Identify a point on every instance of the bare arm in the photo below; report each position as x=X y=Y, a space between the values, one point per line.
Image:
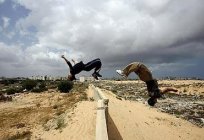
x=165 y=90
x=74 y=61
x=68 y=63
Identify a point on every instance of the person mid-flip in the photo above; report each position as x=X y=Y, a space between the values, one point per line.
x=78 y=67
x=145 y=75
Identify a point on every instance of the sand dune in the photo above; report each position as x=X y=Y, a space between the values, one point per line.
x=136 y=121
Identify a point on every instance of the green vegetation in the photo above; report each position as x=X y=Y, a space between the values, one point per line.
x=10 y=91
x=29 y=84
x=65 y=86
x=22 y=135
x=6 y=82
x=60 y=123
x=40 y=87
x=13 y=90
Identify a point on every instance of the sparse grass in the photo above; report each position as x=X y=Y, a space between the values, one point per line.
x=114 y=91
x=10 y=91
x=83 y=97
x=38 y=105
x=60 y=123
x=20 y=135
x=19 y=125
x=59 y=112
x=91 y=99
x=55 y=106
x=39 y=114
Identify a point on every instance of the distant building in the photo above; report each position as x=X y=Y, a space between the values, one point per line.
x=83 y=79
x=50 y=78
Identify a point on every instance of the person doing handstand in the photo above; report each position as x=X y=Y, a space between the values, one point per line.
x=145 y=75
x=78 y=67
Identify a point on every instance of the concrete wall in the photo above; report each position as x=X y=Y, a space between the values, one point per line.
x=102 y=113
x=101 y=126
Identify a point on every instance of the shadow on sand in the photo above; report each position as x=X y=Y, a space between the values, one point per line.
x=113 y=133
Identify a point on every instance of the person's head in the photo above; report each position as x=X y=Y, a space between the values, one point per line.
x=71 y=77
x=152 y=101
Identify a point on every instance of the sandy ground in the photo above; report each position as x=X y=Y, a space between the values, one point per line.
x=80 y=124
x=25 y=117
x=127 y=120
x=136 y=121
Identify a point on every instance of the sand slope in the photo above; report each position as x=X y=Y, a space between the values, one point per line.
x=136 y=121
x=127 y=120
x=80 y=124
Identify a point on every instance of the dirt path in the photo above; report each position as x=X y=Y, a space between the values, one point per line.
x=136 y=121
x=79 y=123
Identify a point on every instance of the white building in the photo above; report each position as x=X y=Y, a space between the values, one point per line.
x=83 y=79
x=47 y=78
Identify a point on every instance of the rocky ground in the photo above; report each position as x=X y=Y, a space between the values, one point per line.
x=183 y=105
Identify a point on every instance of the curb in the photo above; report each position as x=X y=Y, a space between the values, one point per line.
x=102 y=113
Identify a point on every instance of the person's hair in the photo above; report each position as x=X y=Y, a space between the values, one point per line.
x=71 y=77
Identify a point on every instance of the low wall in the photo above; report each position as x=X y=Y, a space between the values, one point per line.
x=101 y=126
x=102 y=113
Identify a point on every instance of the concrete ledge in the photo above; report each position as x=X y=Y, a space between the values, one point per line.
x=101 y=127
x=102 y=96
x=102 y=113
x=96 y=96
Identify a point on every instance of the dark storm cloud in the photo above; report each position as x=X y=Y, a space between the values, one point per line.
x=158 y=55
x=170 y=33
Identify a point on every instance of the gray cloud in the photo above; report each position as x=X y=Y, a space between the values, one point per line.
x=158 y=32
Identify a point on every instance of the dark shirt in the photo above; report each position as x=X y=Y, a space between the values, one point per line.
x=152 y=85
x=153 y=88
x=77 y=68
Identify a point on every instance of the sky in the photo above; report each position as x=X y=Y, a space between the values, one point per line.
x=165 y=35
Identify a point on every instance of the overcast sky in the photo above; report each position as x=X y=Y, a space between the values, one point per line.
x=166 y=35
